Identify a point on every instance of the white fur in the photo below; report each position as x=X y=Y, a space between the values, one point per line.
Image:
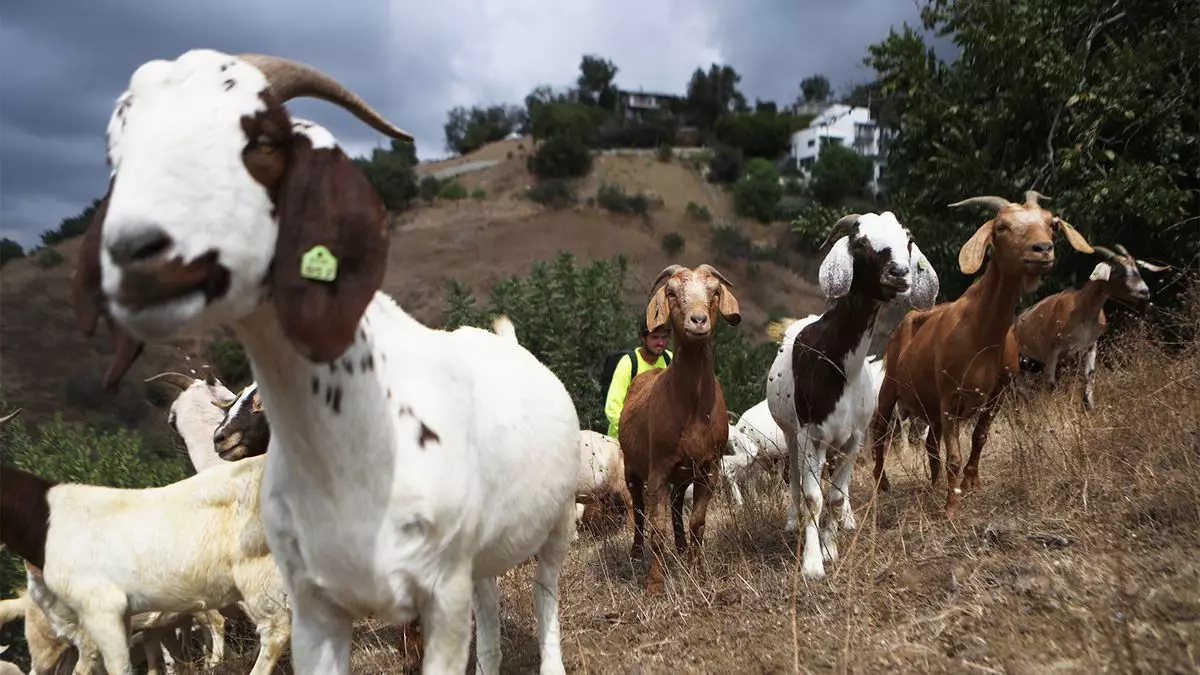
x=1101 y=272
x=419 y=490
x=319 y=136
x=844 y=429
x=196 y=418
x=601 y=472
x=104 y=562
x=756 y=441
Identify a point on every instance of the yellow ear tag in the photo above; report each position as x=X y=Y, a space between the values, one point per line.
x=318 y=264
x=921 y=264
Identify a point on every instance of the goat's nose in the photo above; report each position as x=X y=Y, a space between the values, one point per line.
x=139 y=246
x=897 y=270
x=698 y=320
x=220 y=436
x=1042 y=246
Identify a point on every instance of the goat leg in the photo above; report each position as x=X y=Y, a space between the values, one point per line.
x=933 y=452
x=1089 y=375
x=702 y=491
x=677 y=498
x=657 y=496
x=637 y=493
x=881 y=422
x=979 y=438
x=950 y=438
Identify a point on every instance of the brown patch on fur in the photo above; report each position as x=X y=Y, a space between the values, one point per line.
x=24 y=513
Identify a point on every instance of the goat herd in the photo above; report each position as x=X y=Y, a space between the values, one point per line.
x=397 y=484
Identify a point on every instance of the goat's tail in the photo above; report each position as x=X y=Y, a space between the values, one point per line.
x=777 y=328
x=504 y=327
x=13 y=608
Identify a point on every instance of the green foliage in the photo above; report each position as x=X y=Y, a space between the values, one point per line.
x=468 y=130
x=478 y=194
x=712 y=94
x=1092 y=103
x=840 y=173
x=10 y=250
x=564 y=156
x=815 y=88
x=569 y=316
x=730 y=243
x=430 y=187
x=725 y=165
x=553 y=192
x=762 y=133
x=73 y=226
x=614 y=198
x=757 y=192
x=812 y=224
x=73 y=451
x=48 y=257
x=229 y=359
x=595 y=82
x=564 y=120
x=699 y=212
x=665 y=152
x=452 y=190
x=391 y=173
x=673 y=243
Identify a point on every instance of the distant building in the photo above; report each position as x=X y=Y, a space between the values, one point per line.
x=633 y=105
x=840 y=124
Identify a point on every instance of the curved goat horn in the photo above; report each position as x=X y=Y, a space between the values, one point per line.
x=1032 y=197
x=9 y=416
x=669 y=271
x=713 y=271
x=178 y=379
x=1120 y=249
x=844 y=225
x=291 y=79
x=992 y=202
x=1104 y=252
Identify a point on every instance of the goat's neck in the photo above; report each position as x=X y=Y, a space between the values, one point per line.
x=691 y=379
x=331 y=419
x=992 y=303
x=1090 y=299
x=849 y=324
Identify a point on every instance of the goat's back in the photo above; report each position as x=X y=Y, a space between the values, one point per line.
x=1046 y=327
x=600 y=463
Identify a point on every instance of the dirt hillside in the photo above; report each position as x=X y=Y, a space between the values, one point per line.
x=48 y=366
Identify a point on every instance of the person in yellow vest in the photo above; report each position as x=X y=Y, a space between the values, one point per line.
x=653 y=353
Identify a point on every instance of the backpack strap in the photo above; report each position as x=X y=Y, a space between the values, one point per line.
x=667 y=356
x=633 y=363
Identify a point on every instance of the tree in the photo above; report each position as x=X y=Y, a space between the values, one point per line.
x=391 y=173
x=762 y=133
x=73 y=226
x=468 y=130
x=840 y=173
x=713 y=94
x=595 y=82
x=757 y=192
x=815 y=88
x=10 y=250
x=1093 y=103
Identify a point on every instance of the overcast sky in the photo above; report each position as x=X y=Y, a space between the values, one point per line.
x=64 y=62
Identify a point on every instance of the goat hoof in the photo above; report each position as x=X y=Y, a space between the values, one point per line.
x=813 y=569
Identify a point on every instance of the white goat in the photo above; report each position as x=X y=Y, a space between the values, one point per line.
x=106 y=563
x=760 y=442
x=397 y=478
x=195 y=414
x=818 y=391
x=601 y=475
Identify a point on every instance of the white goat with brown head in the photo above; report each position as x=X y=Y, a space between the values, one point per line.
x=1072 y=321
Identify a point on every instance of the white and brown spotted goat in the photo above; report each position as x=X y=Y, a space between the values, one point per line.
x=818 y=390
x=391 y=442
x=1072 y=321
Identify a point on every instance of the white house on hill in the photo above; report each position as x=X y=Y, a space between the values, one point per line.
x=840 y=124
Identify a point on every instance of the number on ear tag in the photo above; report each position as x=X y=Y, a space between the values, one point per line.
x=318 y=264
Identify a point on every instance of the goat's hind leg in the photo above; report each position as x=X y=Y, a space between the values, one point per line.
x=678 y=496
x=702 y=491
x=321 y=633
x=551 y=559
x=637 y=495
x=813 y=453
x=1089 y=375
x=487 y=624
x=979 y=438
x=881 y=429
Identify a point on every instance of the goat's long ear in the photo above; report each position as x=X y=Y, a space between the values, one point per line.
x=925 y=280
x=320 y=294
x=1100 y=272
x=657 y=311
x=89 y=299
x=728 y=306
x=1073 y=237
x=970 y=256
x=837 y=270
x=1152 y=267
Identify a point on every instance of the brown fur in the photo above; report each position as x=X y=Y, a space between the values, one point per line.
x=674 y=425
x=1074 y=318
x=955 y=361
x=24 y=513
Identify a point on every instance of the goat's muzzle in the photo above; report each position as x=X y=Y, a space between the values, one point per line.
x=1039 y=266
x=156 y=282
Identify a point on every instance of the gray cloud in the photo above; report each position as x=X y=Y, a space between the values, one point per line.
x=62 y=68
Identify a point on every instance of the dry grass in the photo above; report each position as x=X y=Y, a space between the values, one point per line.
x=1078 y=555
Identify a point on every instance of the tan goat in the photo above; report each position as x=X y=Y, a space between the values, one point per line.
x=1073 y=320
x=675 y=426
x=954 y=362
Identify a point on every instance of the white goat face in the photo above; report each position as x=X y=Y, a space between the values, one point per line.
x=219 y=201
x=881 y=252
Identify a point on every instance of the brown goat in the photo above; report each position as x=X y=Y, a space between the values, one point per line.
x=674 y=425
x=1073 y=320
x=955 y=361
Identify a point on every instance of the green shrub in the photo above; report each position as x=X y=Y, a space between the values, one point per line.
x=699 y=212
x=554 y=192
x=757 y=192
x=673 y=243
x=430 y=187
x=561 y=157
x=452 y=190
x=48 y=257
x=730 y=243
x=229 y=359
x=665 y=153
x=478 y=194
x=614 y=198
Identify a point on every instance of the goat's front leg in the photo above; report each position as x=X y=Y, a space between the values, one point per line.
x=933 y=452
x=881 y=425
x=446 y=622
x=813 y=566
x=551 y=558
x=1089 y=375
x=839 y=491
x=678 y=496
x=794 y=462
x=637 y=494
x=950 y=438
x=979 y=438
x=321 y=634
x=487 y=625
x=214 y=622
x=657 y=496
x=109 y=630
x=702 y=491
